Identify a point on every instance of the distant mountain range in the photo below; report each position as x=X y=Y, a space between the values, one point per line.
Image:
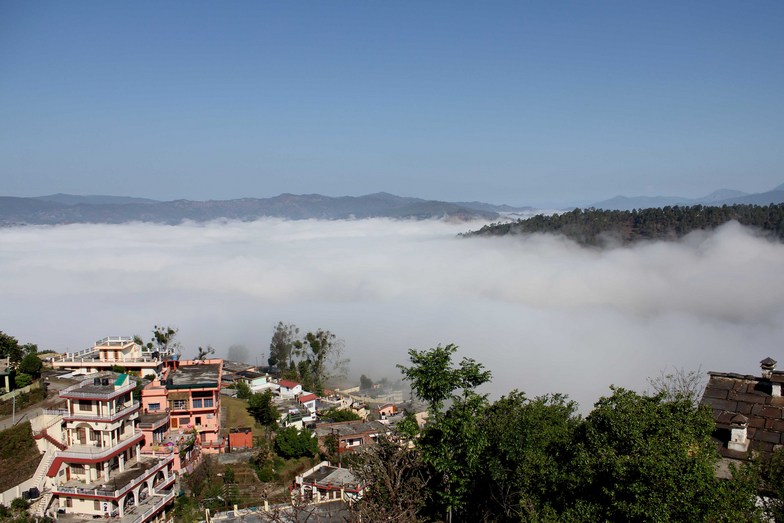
x=716 y=198
x=66 y=208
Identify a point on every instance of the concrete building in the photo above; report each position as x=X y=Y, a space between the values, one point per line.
x=98 y=469
x=121 y=351
x=188 y=396
x=325 y=483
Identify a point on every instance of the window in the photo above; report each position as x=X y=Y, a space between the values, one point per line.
x=85 y=406
x=208 y=402
x=155 y=406
x=184 y=421
x=68 y=502
x=198 y=420
x=197 y=404
x=179 y=404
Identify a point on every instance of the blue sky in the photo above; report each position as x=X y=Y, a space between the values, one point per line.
x=509 y=102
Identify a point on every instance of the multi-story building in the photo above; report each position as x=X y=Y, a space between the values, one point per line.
x=121 y=351
x=100 y=470
x=188 y=393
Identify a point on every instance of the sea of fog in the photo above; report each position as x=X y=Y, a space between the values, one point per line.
x=542 y=313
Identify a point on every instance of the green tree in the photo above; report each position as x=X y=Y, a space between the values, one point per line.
x=526 y=462
x=320 y=356
x=647 y=458
x=261 y=407
x=9 y=348
x=453 y=440
x=22 y=380
x=243 y=390
x=293 y=443
x=163 y=340
x=32 y=365
x=282 y=344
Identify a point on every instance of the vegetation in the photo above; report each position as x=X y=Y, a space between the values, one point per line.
x=163 y=339
x=312 y=359
x=19 y=455
x=294 y=443
x=335 y=414
x=263 y=410
x=635 y=457
x=597 y=226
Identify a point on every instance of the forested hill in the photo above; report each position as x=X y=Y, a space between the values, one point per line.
x=599 y=227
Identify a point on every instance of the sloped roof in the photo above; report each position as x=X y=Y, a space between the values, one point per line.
x=730 y=395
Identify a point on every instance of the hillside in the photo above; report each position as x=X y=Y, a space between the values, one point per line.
x=19 y=455
x=61 y=209
x=597 y=227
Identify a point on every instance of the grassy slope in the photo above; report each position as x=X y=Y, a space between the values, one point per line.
x=19 y=455
x=236 y=412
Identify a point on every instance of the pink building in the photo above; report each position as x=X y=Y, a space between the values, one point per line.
x=183 y=406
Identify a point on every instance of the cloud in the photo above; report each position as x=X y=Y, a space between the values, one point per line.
x=542 y=313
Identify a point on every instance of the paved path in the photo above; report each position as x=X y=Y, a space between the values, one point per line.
x=52 y=401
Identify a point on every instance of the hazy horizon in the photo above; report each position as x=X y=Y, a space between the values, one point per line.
x=542 y=313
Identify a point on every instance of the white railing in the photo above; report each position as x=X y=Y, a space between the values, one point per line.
x=113 y=340
x=69 y=356
x=79 y=451
x=73 y=390
x=119 y=492
x=108 y=418
x=165 y=497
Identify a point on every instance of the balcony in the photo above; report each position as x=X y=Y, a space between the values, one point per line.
x=96 y=453
x=88 y=390
x=106 y=418
x=136 y=471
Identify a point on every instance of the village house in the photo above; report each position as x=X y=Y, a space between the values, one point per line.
x=749 y=414
x=93 y=460
x=289 y=389
x=324 y=483
x=188 y=397
x=120 y=351
x=350 y=434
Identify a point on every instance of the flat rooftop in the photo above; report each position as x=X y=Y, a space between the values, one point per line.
x=199 y=376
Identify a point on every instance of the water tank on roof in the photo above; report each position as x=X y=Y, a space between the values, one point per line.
x=105 y=381
x=96 y=381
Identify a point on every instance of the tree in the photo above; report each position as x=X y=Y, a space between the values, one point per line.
x=243 y=390
x=526 y=459
x=365 y=383
x=453 y=440
x=9 y=348
x=648 y=458
x=283 y=339
x=397 y=480
x=22 y=380
x=293 y=443
x=203 y=353
x=162 y=341
x=320 y=359
x=32 y=365
x=262 y=409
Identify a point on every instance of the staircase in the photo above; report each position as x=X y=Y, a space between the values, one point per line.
x=50 y=439
x=40 y=475
x=41 y=504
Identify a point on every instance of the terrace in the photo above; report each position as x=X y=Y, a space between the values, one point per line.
x=119 y=483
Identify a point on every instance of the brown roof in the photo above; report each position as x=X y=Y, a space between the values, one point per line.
x=730 y=395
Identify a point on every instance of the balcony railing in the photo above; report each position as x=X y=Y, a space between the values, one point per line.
x=108 y=418
x=116 y=494
x=95 y=452
x=164 y=496
x=73 y=390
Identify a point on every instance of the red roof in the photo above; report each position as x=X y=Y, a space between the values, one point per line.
x=288 y=384
x=306 y=397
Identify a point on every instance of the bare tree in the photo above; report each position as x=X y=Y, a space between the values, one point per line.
x=679 y=383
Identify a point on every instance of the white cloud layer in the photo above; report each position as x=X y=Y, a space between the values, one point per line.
x=543 y=314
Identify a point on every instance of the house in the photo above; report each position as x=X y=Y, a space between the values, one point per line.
x=240 y=438
x=324 y=483
x=5 y=375
x=386 y=410
x=350 y=434
x=749 y=414
x=121 y=351
x=189 y=394
x=289 y=389
x=308 y=401
x=93 y=456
